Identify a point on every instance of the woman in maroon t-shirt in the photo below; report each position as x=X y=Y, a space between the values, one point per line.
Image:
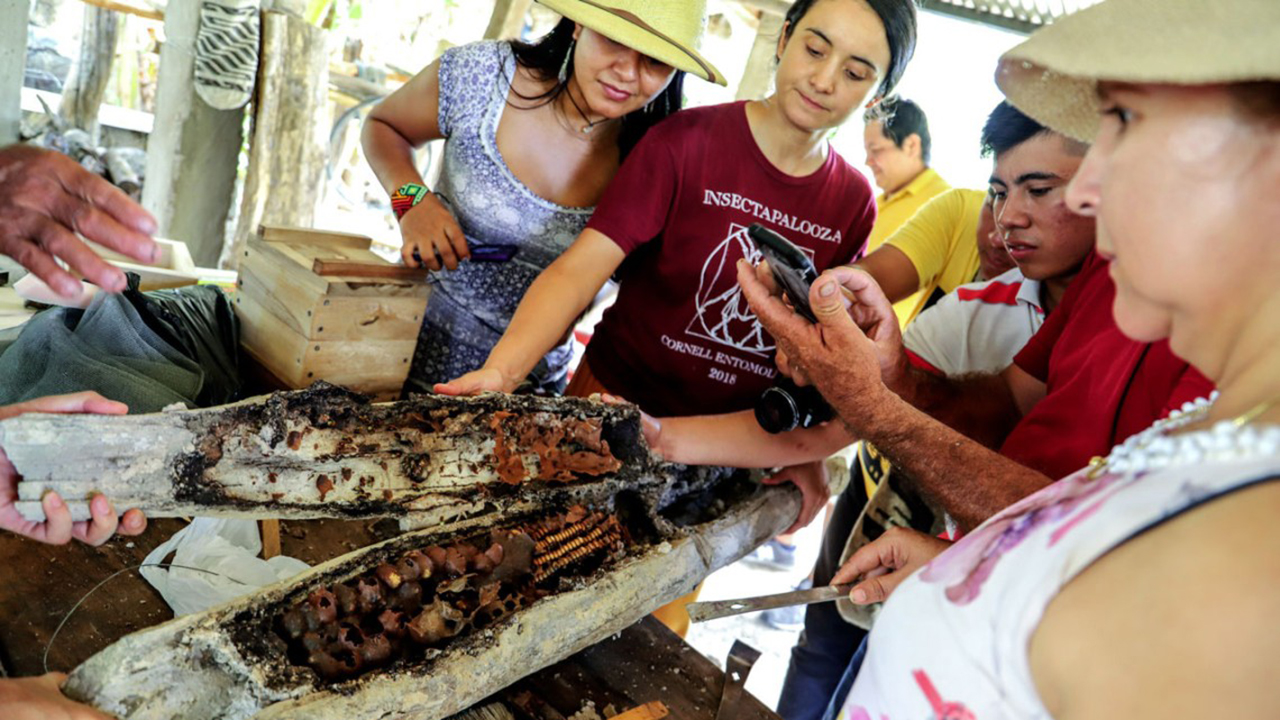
x=680 y=341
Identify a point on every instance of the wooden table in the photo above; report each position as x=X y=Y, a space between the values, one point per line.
x=644 y=663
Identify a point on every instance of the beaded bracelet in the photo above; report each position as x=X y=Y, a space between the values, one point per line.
x=406 y=197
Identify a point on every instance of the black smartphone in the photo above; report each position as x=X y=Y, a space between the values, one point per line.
x=792 y=269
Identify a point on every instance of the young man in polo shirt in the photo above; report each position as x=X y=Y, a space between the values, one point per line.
x=1036 y=416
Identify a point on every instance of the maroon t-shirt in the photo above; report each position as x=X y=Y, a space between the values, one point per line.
x=680 y=340
x=1102 y=387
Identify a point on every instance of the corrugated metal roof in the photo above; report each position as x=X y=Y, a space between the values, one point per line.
x=1023 y=16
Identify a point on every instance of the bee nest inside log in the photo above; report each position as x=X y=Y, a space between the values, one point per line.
x=429 y=595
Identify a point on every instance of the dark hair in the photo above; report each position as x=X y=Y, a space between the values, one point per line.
x=900 y=119
x=1007 y=128
x=899 y=18
x=1258 y=100
x=545 y=56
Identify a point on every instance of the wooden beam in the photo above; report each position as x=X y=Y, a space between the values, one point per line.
x=290 y=142
x=193 y=153
x=82 y=95
x=757 y=79
x=13 y=63
x=507 y=19
x=129 y=8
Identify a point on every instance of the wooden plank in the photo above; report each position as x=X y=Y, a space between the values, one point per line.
x=280 y=266
x=293 y=303
x=13 y=63
x=369 y=318
x=367 y=270
x=270 y=538
x=309 y=236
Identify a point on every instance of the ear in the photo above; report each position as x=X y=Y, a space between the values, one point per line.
x=911 y=144
x=577 y=30
x=783 y=39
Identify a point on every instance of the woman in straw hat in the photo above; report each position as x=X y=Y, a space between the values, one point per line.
x=1148 y=584
x=534 y=132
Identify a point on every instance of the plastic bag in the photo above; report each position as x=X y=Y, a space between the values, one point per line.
x=227 y=547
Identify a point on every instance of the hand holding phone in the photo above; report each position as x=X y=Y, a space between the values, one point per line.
x=791 y=268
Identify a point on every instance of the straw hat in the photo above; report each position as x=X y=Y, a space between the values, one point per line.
x=1053 y=75
x=665 y=30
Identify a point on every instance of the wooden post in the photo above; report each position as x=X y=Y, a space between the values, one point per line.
x=82 y=95
x=507 y=19
x=270 y=538
x=290 y=143
x=757 y=79
x=193 y=153
x=13 y=63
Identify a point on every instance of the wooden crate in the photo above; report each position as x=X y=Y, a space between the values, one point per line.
x=358 y=329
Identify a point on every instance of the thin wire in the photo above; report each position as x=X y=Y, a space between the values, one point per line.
x=45 y=660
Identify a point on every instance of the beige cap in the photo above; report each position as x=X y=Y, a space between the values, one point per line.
x=1053 y=75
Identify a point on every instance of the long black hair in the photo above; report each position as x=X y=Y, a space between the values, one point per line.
x=899 y=18
x=546 y=55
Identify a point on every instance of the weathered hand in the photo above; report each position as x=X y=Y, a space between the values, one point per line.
x=873 y=314
x=58 y=529
x=811 y=479
x=46 y=199
x=836 y=354
x=433 y=233
x=886 y=562
x=41 y=698
x=476 y=382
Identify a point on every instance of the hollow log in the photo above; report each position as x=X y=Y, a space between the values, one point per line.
x=327 y=452
x=236 y=661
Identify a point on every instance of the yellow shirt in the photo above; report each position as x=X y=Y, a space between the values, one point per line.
x=941 y=242
x=892 y=211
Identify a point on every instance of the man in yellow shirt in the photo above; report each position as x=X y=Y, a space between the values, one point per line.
x=898 y=146
x=938 y=244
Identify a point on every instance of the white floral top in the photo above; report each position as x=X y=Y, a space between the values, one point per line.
x=952 y=640
x=470 y=307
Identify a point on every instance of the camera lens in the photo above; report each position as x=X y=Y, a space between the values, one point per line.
x=786 y=406
x=776 y=411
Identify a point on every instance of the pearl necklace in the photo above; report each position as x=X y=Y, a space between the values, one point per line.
x=1155 y=449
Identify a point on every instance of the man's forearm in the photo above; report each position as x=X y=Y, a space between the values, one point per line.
x=978 y=405
x=970 y=481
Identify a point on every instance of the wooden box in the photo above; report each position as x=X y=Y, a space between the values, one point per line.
x=321 y=306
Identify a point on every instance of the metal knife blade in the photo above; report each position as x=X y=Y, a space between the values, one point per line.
x=703 y=611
